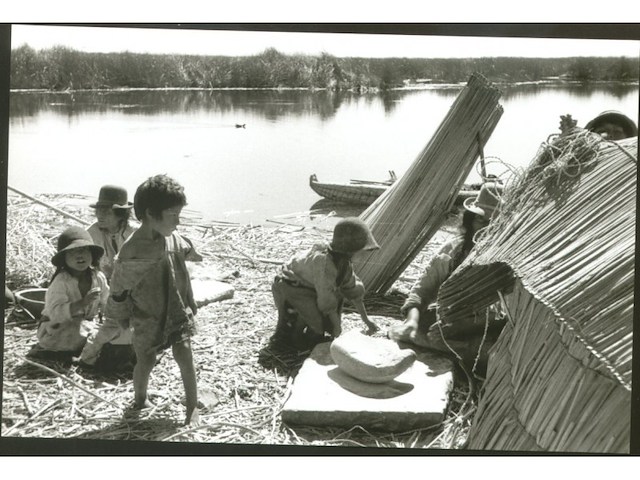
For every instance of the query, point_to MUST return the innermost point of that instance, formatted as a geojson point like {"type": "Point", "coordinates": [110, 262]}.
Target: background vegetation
{"type": "Point", "coordinates": [61, 68]}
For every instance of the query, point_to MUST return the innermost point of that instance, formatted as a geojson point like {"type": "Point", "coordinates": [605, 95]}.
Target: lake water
{"type": "Point", "coordinates": [74, 143]}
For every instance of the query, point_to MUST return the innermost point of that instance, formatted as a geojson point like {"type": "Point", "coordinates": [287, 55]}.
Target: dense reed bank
{"type": "Point", "coordinates": [61, 68]}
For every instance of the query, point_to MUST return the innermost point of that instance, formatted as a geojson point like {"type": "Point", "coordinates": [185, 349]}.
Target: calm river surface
{"type": "Point", "coordinates": [74, 143]}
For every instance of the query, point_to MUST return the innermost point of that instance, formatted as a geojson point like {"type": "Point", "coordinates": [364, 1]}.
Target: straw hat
{"type": "Point", "coordinates": [616, 118]}
{"type": "Point", "coordinates": [351, 235]}
{"type": "Point", "coordinates": [112, 196]}
{"type": "Point", "coordinates": [75, 237]}
{"type": "Point", "coordinates": [487, 201]}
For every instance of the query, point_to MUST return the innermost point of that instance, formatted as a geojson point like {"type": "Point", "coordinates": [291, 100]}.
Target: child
{"type": "Point", "coordinates": [77, 293]}
{"type": "Point", "coordinates": [112, 228]}
{"type": "Point", "coordinates": [419, 309]}
{"type": "Point", "coordinates": [613, 125]}
{"type": "Point", "coordinates": [313, 285]}
{"type": "Point", "coordinates": [150, 287]}
{"type": "Point", "coordinates": [110, 348]}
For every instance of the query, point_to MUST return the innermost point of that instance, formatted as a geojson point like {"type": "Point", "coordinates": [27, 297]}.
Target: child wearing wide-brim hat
{"type": "Point", "coordinates": [310, 288]}
{"type": "Point", "coordinates": [77, 293]}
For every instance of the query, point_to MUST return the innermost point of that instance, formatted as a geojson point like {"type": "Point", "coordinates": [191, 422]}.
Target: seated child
{"type": "Point", "coordinates": [77, 294]}
{"type": "Point", "coordinates": [110, 348]}
{"type": "Point", "coordinates": [150, 287]}
{"type": "Point", "coordinates": [310, 289]}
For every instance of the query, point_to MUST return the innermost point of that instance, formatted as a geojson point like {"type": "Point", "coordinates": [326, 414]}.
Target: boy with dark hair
{"type": "Point", "coordinates": [151, 287]}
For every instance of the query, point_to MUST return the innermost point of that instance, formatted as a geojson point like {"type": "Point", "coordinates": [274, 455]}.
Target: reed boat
{"type": "Point", "coordinates": [359, 192]}
{"type": "Point", "coordinates": [364, 192]}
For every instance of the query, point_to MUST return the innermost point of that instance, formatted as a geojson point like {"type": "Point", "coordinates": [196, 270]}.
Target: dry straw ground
{"type": "Point", "coordinates": [234, 357]}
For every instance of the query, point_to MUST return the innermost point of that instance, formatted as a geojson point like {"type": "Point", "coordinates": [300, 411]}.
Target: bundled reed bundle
{"type": "Point", "coordinates": [407, 215]}
{"type": "Point", "coordinates": [559, 378]}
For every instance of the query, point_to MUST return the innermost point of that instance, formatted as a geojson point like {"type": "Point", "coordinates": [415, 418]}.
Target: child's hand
{"type": "Point", "coordinates": [373, 328]}
{"type": "Point", "coordinates": [91, 296]}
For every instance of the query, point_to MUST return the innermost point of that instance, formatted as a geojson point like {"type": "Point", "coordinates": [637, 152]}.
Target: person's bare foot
{"type": "Point", "coordinates": [142, 404]}
{"type": "Point", "coordinates": [193, 419]}
{"type": "Point", "coordinates": [372, 328]}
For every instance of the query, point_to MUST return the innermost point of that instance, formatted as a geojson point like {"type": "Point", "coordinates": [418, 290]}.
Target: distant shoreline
{"type": "Point", "coordinates": [429, 86]}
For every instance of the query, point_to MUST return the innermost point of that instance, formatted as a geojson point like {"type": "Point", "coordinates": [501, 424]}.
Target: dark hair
{"type": "Point", "coordinates": [95, 263]}
{"type": "Point", "coordinates": [467, 232]}
{"type": "Point", "coordinates": [157, 194]}
{"type": "Point", "coordinates": [123, 215]}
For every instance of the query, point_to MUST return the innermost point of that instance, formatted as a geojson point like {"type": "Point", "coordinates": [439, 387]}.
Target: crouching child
{"type": "Point", "coordinates": [310, 289]}
{"type": "Point", "coordinates": [151, 288]}
{"type": "Point", "coordinates": [75, 298]}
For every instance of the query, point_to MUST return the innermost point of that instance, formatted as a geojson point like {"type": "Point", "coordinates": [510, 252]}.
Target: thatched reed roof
{"type": "Point", "coordinates": [562, 255]}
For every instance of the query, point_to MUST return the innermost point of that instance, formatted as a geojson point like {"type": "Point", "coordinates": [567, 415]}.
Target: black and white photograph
{"type": "Point", "coordinates": [319, 238]}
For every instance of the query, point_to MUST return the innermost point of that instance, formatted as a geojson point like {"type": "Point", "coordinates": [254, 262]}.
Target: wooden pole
{"type": "Point", "coordinates": [61, 212]}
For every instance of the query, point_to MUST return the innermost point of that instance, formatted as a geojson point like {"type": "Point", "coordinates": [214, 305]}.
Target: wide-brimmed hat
{"type": "Point", "coordinates": [351, 235]}
{"type": "Point", "coordinates": [112, 196]}
{"type": "Point", "coordinates": [616, 118]}
{"type": "Point", "coordinates": [487, 201]}
{"type": "Point", "coordinates": [75, 237]}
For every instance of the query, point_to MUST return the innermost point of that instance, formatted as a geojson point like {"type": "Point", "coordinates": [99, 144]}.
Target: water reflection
{"type": "Point", "coordinates": [271, 104]}
{"type": "Point", "coordinates": [575, 90]}
{"type": "Point", "coordinates": [262, 171]}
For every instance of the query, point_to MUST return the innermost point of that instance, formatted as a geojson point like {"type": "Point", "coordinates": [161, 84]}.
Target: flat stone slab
{"type": "Point", "coordinates": [209, 291]}
{"type": "Point", "coordinates": [323, 395]}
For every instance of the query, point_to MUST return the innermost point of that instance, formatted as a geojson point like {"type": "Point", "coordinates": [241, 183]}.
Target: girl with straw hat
{"type": "Point", "coordinates": [77, 294]}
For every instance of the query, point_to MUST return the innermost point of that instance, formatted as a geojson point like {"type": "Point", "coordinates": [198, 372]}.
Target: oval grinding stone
{"type": "Point", "coordinates": [373, 360]}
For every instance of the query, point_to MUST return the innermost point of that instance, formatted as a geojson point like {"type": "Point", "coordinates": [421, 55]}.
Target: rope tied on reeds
{"type": "Point", "coordinates": [560, 161]}
{"type": "Point", "coordinates": [567, 154]}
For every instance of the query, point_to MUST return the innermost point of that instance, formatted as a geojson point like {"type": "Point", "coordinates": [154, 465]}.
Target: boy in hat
{"type": "Point", "coordinates": [77, 293]}
{"type": "Point", "coordinates": [613, 125]}
{"type": "Point", "coordinates": [150, 287]}
{"type": "Point", "coordinates": [310, 288]}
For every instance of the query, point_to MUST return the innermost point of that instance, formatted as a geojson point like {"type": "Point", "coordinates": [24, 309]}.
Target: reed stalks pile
{"type": "Point", "coordinates": [406, 216]}
{"type": "Point", "coordinates": [563, 251]}
{"type": "Point", "coordinates": [234, 356]}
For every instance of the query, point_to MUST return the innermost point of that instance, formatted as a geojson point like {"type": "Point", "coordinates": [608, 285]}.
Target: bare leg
{"type": "Point", "coordinates": [109, 330]}
{"type": "Point", "coordinates": [184, 359]}
{"type": "Point", "coordinates": [141, 373]}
